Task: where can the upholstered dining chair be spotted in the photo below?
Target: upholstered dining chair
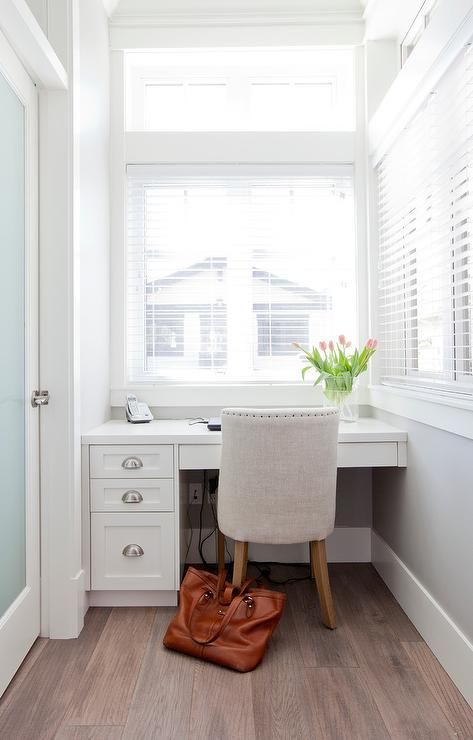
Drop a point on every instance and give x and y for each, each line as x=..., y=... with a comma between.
x=277, y=485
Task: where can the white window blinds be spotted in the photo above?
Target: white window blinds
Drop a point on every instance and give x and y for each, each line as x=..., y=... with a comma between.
x=425, y=248
x=228, y=265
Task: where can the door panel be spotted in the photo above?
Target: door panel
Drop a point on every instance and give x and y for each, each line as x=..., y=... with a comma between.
x=19, y=422
x=12, y=331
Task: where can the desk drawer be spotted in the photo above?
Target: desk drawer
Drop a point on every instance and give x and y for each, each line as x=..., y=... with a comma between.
x=131, y=461
x=150, y=536
x=350, y=455
x=113, y=494
x=367, y=454
x=199, y=457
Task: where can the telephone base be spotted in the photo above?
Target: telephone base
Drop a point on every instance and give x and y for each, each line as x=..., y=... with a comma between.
x=139, y=421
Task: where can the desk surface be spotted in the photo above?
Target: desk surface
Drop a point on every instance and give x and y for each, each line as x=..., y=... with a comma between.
x=170, y=431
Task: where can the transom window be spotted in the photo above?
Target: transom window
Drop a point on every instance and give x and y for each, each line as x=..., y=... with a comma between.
x=240, y=90
x=228, y=265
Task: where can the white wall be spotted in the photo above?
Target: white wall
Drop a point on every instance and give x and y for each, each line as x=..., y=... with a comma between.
x=94, y=214
x=423, y=545
x=425, y=513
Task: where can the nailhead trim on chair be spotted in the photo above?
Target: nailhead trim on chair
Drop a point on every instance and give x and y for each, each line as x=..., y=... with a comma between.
x=322, y=411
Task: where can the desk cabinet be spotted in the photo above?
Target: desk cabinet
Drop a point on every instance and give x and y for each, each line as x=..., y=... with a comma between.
x=132, y=518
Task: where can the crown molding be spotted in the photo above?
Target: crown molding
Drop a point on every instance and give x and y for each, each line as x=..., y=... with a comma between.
x=207, y=18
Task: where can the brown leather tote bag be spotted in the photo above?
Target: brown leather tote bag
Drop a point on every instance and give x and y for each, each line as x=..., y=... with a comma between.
x=221, y=623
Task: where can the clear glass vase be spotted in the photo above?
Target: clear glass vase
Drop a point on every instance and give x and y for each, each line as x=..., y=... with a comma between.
x=341, y=391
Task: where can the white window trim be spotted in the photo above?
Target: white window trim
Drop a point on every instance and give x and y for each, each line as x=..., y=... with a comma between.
x=217, y=396
x=224, y=147
x=451, y=413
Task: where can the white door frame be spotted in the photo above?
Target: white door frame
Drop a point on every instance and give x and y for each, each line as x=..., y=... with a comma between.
x=20, y=625
x=63, y=598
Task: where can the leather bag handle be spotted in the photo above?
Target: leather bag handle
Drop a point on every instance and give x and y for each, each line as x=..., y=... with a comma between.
x=222, y=579
x=229, y=614
x=225, y=593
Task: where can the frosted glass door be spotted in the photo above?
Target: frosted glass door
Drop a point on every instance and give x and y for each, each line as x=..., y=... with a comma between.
x=12, y=333
x=19, y=421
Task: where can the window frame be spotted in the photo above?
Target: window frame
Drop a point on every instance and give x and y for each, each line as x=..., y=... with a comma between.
x=455, y=383
x=142, y=182
x=239, y=90
x=223, y=147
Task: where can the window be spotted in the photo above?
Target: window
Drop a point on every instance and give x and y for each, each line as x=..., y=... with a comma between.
x=425, y=249
x=228, y=265
x=240, y=90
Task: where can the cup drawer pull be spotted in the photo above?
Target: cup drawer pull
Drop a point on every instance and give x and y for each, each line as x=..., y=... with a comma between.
x=132, y=463
x=132, y=497
x=133, y=551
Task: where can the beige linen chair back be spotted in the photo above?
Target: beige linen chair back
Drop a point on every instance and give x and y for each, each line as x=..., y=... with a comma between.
x=278, y=474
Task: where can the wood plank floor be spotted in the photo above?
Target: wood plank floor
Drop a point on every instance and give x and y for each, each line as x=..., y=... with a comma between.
x=371, y=679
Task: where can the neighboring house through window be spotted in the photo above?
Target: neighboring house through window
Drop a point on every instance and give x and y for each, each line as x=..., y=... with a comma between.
x=198, y=333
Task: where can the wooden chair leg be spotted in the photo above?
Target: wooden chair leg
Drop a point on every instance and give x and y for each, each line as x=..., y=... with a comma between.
x=220, y=550
x=319, y=560
x=240, y=562
x=312, y=572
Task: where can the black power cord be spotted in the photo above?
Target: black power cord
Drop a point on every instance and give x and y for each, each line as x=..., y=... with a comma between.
x=264, y=569
x=210, y=486
x=200, y=546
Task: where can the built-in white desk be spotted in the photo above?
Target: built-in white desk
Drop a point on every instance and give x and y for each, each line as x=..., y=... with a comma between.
x=367, y=443
x=134, y=498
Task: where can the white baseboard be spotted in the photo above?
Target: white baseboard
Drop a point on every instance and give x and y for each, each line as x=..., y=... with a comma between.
x=445, y=639
x=132, y=598
x=82, y=599
x=345, y=545
x=67, y=621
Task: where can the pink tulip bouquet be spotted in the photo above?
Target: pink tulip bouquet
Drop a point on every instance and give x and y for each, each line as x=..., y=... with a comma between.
x=337, y=366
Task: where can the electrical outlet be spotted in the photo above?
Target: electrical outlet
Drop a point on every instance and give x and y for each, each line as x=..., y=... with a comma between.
x=212, y=497
x=195, y=493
